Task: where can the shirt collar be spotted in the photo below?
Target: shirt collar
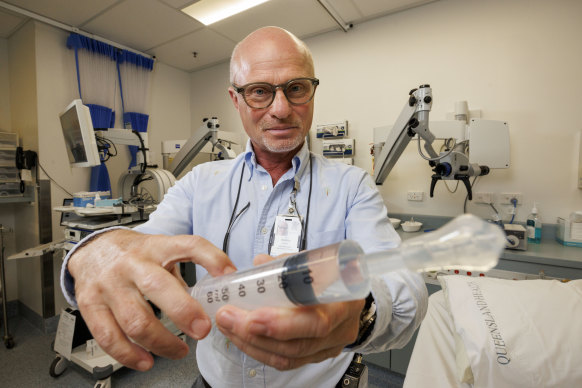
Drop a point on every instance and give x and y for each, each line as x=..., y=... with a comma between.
x=299, y=161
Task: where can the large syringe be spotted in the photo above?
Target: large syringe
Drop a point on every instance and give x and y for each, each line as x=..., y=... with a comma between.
x=342, y=271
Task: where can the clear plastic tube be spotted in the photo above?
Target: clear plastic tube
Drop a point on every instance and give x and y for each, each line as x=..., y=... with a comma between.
x=342, y=271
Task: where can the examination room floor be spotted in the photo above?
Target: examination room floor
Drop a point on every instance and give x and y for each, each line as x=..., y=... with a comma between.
x=27, y=365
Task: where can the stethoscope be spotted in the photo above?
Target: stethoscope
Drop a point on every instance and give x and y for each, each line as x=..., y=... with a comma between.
x=234, y=216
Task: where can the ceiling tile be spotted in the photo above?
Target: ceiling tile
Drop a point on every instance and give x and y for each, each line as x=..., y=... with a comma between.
x=158, y=27
x=210, y=48
x=142, y=24
x=9, y=23
x=71, y=12
x=301, y=17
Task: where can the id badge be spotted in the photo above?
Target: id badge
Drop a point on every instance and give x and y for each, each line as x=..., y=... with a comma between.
x=287, y=233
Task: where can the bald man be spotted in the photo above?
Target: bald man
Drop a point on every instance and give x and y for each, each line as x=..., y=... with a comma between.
x=235, y=205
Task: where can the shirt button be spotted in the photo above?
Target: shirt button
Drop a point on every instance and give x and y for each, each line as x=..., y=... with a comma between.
x=264, y=230
x=264, y=187
x=252, y=373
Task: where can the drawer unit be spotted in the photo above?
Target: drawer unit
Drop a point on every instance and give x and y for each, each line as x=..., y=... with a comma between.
x=11, y=189
x=8, y=157
x=8, y=174
x=8, y=140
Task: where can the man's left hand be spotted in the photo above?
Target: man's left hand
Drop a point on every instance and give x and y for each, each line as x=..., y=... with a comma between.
x=287, y=338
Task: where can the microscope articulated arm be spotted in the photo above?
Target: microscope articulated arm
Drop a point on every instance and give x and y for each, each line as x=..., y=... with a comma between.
x=207, y=132
x=453, y=163
x=412, y=120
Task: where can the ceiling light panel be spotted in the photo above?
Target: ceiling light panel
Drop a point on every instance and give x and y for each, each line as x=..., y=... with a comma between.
x=211, y=11
x=301, y=17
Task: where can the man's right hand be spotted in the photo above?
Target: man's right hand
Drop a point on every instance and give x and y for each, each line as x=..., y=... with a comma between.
x=115, y=271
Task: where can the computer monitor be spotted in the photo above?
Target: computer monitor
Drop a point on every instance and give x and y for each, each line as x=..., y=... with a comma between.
x=79, y=135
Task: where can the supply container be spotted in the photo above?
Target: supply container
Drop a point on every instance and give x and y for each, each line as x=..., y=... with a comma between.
x=534, y=226
x=569, y=231
x=84, y=198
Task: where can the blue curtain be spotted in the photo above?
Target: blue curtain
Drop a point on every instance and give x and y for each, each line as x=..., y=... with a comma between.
x=137, y=121
x=101, y=116
x=136, y=59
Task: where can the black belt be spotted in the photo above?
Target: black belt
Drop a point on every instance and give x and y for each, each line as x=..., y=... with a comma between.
x=206, y=385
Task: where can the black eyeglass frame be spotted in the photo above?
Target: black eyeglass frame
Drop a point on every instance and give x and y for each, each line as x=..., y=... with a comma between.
x=283, y=86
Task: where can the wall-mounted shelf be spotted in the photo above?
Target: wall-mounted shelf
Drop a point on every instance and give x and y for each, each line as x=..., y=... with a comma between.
x=28, y=196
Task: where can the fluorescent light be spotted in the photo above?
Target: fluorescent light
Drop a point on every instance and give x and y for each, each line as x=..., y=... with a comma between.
x=211, y=11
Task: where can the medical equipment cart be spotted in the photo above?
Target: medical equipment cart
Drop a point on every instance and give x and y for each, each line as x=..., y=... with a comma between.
x=75, y=345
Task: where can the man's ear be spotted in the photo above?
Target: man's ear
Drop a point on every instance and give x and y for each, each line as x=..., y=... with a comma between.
x=233, y=96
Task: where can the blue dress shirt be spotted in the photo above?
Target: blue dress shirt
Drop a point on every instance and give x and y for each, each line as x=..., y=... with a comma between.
x=345, y=204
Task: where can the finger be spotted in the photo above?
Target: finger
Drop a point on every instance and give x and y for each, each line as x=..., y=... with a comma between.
x=138, y=321
x=279, y=361
x=110, y=337
x=299, y=322
x=262, y=259
x=303, y=342
x=170, y=250
x=171, y=297
x=176, y=272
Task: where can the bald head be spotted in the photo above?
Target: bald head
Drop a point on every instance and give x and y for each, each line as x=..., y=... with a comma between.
x=266, y=45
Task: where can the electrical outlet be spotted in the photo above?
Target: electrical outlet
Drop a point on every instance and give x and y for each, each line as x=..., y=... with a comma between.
x=483, y=198
x=505, y=198
x=415, y=195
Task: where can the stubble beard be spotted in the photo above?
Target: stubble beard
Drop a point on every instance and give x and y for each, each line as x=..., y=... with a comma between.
x=280, y=146
x=283, y=145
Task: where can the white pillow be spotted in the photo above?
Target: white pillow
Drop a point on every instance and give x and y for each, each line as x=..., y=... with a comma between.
x=525, y=333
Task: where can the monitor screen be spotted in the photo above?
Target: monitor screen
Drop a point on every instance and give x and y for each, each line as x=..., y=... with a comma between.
x=79, y=135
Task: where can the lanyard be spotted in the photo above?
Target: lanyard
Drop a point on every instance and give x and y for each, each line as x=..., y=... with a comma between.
x=292, y=207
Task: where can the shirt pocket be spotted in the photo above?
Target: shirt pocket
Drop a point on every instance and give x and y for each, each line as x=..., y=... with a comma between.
x=328, y=237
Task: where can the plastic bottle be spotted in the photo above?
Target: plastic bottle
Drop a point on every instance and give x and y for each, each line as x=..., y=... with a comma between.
x=534, y=226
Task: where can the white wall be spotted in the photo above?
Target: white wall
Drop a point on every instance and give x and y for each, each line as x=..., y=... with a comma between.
x=5, y=125
x=23, y=111
x=517, y=61
x=170, y=106
x=209, y=89
x=6, y=215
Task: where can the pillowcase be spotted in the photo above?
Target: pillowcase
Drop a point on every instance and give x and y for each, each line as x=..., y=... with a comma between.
x=512, y=333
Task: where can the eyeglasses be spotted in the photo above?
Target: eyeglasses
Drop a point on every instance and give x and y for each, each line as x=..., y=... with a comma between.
x=260, y=95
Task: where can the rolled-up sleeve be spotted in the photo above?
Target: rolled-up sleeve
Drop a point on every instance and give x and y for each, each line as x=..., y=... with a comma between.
x=401, y=302
x=401, y=297
x=67, y=281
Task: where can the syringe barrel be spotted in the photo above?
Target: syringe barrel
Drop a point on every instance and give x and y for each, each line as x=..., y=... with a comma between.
x=328, y=274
